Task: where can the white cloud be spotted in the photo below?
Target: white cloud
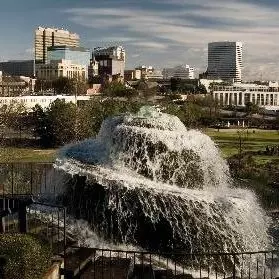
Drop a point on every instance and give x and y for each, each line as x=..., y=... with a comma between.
x=149, y=45
x=188, y=29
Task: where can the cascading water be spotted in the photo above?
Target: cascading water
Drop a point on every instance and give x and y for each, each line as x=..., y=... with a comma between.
x=147, y=180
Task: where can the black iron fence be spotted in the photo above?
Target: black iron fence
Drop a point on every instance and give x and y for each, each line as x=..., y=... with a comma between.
x=49, y=222
x=46, y=221
x=106, y=263
x=28, y=178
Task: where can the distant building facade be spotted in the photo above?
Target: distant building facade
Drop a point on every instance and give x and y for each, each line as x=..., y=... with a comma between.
x=78, y=55
x=13, y=86
x=181, y=71
x=207, y=83
x=93, y=70
x=44, y=101
x=239, y=94
x=111, y=61
x=61, y=68
x=49, y=37
x=145, y=71
x=155, y=75
x=225, y=61
x=132, y=74
x=18, y=68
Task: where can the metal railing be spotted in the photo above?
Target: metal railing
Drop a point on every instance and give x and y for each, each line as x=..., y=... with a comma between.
x=49, y=222
x=46, y=221
x=106, y=263
x=27, y=179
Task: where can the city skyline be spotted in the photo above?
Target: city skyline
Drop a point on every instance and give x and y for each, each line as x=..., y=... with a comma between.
x=160, y=33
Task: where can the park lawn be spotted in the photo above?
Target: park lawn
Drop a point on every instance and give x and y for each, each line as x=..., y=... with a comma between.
x=14, y=154
x=228, y=141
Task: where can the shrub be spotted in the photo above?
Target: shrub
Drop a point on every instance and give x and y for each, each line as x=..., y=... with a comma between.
x=27, y=257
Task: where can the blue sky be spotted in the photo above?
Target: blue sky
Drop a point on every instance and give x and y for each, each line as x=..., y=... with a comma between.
x=154, y=32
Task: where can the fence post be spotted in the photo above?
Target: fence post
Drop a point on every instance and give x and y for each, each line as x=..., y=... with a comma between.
x=31, y=178
x=2, y=225
x=12, y=178
x=22, y=218
x=3, y=262
x=234, y=269
x=64, y=231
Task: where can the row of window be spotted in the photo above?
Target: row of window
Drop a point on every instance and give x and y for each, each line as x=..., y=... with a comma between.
x=259, y=99
x=12, y=101
x=230, y=89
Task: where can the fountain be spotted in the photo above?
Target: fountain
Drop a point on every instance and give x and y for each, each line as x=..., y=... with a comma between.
x=149, y=181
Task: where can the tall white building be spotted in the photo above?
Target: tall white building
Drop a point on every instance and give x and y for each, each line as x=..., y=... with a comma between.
x=225, y=61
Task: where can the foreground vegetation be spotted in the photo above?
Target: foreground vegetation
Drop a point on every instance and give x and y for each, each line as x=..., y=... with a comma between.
x=25, y=257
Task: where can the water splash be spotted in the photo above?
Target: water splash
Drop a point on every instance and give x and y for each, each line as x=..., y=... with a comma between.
x=154, y=183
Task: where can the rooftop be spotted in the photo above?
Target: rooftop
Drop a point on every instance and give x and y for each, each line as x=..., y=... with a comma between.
x=51, y=48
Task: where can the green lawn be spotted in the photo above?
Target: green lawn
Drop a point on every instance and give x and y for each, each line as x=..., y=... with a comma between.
x=229, y=141
x=13, y=154
x=226, y=139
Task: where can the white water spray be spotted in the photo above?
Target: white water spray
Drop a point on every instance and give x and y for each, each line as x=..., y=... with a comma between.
x=161, y=179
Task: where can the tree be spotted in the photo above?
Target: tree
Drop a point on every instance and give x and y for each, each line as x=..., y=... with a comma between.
x=189, y=113
x=90, y=118
x=13, y=116
x=251, y=108
x=64, y=85
x=117, y=89
x=193, y=114
x=56, y=125
x=43, y=85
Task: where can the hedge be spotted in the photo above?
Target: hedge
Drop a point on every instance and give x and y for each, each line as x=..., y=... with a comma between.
x=26, y=256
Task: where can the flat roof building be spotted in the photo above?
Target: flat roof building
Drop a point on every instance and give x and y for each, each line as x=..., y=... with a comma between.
x=78, y=55
x=18, y=68
x=239, y=94
x=61, y=68
x=225, y=61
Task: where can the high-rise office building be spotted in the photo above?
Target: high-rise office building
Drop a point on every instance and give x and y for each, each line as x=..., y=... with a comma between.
x=225, y=61
x=47, y=37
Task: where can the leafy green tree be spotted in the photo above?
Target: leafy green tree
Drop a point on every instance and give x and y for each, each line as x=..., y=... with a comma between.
x=64, y=85
x=193, y=115
x=201, y=89
x=251, y=108
x=56, y=125
x=10, y=114
x=43, y=85
x=117, y=89
x=189, y=113
x=90, y=118
x=15, y=117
